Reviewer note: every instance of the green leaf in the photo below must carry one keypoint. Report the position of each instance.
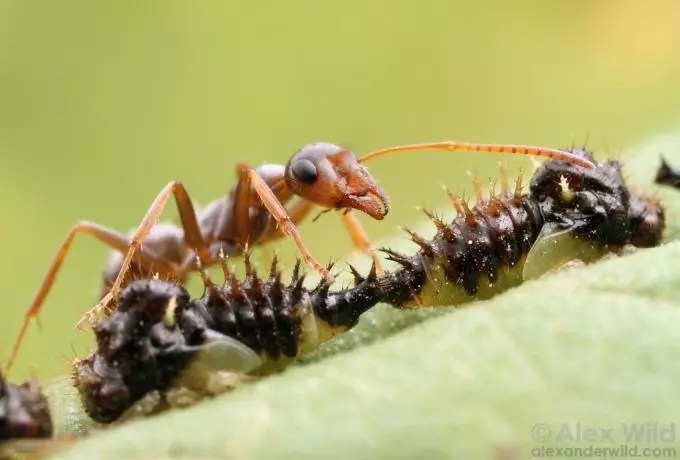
(595, 346)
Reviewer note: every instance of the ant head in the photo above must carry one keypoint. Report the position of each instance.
(332, 177)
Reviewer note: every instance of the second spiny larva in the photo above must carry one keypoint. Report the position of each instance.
(160, 342)
(569, 214)
(25, 420)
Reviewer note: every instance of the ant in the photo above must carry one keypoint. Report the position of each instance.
(252, 213)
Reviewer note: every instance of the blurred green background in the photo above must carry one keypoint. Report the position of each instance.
(102, 103)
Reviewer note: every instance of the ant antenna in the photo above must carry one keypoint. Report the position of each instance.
(529, 150)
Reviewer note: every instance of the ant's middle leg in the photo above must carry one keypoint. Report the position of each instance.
(297, 213)
(192, 234)
(109, 237)
(360, 238)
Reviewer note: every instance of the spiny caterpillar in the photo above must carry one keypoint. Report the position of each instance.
(570, 213)
(159, 341)
(156, 332)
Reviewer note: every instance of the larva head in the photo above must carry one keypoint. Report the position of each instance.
(595, 202)
(332, 177)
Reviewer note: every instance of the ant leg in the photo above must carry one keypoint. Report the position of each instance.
(109, 237)
(239, 216)
(243, 200)
(241, 205)
(360, 239)
(297, 213)
(192, 235)
(286, 226)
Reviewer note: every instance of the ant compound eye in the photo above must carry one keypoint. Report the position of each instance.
(304, 171)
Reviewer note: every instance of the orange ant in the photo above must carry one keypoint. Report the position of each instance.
(252, 213)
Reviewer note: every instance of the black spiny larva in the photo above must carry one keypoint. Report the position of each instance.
(257, 325)
(499, 242)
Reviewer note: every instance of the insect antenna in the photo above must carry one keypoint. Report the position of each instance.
(535, 151)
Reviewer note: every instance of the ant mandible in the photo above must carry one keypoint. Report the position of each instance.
(252, 213)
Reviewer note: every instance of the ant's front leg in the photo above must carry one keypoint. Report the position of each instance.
(278, 212)
(297, 213)
(300, 210)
